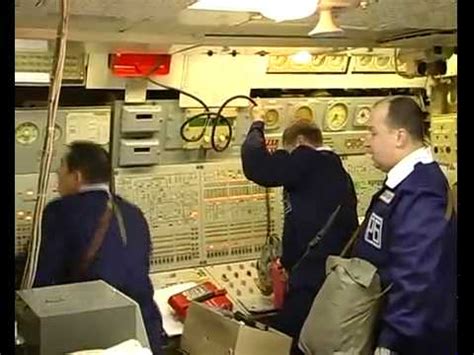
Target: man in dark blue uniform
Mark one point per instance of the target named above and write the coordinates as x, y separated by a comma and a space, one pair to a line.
409, 233
70, 226
315, 183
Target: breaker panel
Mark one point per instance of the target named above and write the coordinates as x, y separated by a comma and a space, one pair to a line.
85, 123
89, 123
25, 200
443, 136
200, 213
367, 179
170, 198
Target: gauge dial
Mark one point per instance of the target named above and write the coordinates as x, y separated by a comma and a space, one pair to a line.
272, 118
279, 60
336, 117
365, 60
382, 62
318, 60
362, 117
336, 60
304, 113
26, 133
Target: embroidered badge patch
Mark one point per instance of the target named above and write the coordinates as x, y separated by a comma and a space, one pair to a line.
373, 232
387, 196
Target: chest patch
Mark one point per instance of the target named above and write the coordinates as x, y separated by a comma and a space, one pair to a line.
373, 232
387, 196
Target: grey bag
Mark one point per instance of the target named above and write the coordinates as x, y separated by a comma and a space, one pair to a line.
345, 311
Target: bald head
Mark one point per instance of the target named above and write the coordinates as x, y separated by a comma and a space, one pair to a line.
396, 129
404, 112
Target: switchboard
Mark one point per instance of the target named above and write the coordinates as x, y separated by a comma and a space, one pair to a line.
200, 213
170, 199
444, 138
239, 279
367, 179
25, 200
89, 123
234, 213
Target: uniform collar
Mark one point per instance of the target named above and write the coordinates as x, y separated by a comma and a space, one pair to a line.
95, 187
406, 166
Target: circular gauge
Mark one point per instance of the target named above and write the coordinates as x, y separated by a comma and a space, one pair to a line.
279, 60
318, 60
57, 133
365, 60
336, 118
304, 113
382, 62
336, 60
26, 133
271, 118
362, 117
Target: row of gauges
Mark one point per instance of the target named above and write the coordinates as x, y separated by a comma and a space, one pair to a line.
336, 118
27, 133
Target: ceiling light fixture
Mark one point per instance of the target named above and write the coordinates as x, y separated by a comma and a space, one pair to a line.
301, 57
326, 23
287, 10
277, 10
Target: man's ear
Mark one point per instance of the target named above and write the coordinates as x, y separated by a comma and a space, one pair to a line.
78, 177
402, 138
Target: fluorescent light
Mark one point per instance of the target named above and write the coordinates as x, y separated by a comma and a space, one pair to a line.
287, 10
277, 10
31, 45
32, 78
228, 5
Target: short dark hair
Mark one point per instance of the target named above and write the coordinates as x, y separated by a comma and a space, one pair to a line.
307, 129
91, 160
404, 112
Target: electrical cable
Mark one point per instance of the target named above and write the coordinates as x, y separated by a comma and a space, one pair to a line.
210, 118
48, 147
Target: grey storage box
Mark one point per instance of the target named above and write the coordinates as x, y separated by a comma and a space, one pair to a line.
141, 118
206, 332
89, 315
136, 152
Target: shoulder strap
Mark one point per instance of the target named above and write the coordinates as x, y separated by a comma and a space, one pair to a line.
99, 236
322, 232
96, 242
450, 206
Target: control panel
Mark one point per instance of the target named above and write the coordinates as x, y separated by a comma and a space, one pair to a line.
367, 179
169, 197
444, 138
239, 279
90, 124
234, 211
200, 214
25, 200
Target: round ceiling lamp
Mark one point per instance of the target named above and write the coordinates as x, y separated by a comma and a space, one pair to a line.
287, 10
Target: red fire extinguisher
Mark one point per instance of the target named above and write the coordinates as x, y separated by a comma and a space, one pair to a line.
279, 282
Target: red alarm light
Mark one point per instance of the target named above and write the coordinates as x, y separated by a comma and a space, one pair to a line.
135, 64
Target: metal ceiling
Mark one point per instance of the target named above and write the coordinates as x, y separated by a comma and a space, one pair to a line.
162, 23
